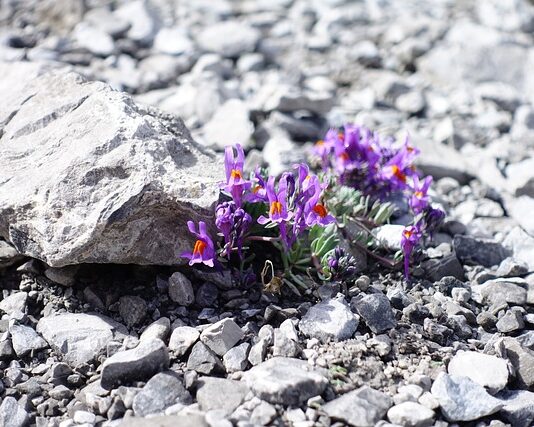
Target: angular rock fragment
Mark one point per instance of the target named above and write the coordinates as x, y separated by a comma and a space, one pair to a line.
329, 320
461, 399
88, 176
285, 380
80, 337
363, 407
137, 364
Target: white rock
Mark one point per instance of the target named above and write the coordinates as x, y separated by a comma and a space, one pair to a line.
229, 38
100, 179
230, 125
172, 41
222, 336
484, 369
182, 338
93, 39
411, 414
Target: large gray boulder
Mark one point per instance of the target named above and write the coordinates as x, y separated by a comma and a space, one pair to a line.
88, 176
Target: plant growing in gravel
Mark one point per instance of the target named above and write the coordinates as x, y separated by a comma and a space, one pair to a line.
363, 183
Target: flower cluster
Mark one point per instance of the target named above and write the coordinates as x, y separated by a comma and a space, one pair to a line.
292, 203
382, 169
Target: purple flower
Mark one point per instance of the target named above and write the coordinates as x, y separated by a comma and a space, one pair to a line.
411, 236
277, 203
316, 212
258, 191
204, 250
233, 223
235, 183
324, 147
419, 199
433, 218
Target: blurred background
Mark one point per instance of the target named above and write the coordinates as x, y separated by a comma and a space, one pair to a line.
273, 75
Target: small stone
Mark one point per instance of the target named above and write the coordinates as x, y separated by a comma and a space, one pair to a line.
511, 321
160, 392
389, 236
203, 360
181, 289
220, 393
93, 39
84, 417
461, 399
510, 267
412, 102
231, 122
15, 302
25, 339
494, 376
64, 276
522, 360
222, 336
230, 39
9, 255
263, 414
411, 414
172, 41
158, 329
132, 309
258, 352
137, 364
235, 359
182, 338
12, 414
476, 251
61, 392
329, 320
285, 380
376, 312
360, 408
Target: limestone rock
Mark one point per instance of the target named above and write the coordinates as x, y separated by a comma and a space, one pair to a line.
90, 177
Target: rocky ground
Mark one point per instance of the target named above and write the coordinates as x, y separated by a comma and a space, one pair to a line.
112, 180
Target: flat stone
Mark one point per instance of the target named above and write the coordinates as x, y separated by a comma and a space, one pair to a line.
363, 407
376, 312
230, 39
181, 289
329, 320
222, 336
221, 394
510, 290
461, 399
476, 251
182, 338
203, 360
494, 376
137, 364
80, 337
12, 414
25, 339
231, 122
160, 392
285, 380
138, 175
142, 21
411, 414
